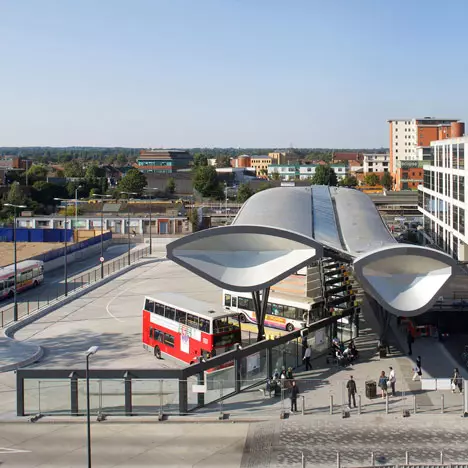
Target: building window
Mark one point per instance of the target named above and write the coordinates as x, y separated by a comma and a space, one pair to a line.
461, 188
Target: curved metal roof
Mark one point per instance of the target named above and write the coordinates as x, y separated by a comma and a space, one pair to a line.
280, 230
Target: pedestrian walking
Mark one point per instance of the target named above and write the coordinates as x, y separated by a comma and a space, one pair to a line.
410, 341
457, 381
294, 395
418, 369
307, 356
304, 345
351, 386
392, 379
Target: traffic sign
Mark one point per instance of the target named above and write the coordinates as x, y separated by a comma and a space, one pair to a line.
101, 259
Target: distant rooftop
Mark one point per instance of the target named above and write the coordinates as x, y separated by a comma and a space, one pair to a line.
423, 118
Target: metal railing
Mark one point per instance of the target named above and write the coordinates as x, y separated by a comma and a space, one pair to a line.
51, 293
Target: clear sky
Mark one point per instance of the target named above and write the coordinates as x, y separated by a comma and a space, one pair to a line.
185, 73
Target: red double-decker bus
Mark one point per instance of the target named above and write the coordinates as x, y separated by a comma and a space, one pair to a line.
187, 329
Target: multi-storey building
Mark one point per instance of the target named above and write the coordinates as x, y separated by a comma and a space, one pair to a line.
260, 164
302, 171
406, 135
375, 162
442, 196
163, 161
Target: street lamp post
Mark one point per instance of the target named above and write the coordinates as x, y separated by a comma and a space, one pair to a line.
128, 220
15, 308
90, 352
65, 266
76, 205
150, 219
102, 197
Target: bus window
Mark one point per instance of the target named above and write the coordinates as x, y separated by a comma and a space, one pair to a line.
276, 309
227, 300
10, 282
204, 325
2, 285
169, 313
181, 316
159, 308
290, 312
192, 321
151, 332
149, 305
234, 301
246, 304
168, 340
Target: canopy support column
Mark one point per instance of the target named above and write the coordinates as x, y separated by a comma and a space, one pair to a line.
260, 305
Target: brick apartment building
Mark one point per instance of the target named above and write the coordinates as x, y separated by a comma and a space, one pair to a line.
410, 141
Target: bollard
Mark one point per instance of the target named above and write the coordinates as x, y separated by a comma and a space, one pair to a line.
359, 404
372, 459
331, 404
338, 460
441, 457
386, 403
442, 404
414, 404
406, 458
303, 461
303, 405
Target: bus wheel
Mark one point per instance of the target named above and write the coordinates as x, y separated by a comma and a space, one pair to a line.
157, 352
242, 318
35, 284
290, 327
10, 294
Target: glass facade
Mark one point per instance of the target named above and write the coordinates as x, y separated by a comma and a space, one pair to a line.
443, 209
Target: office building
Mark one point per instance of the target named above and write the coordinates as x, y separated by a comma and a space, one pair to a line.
289, 172
407, 135
260, 164
163, 161
442, 197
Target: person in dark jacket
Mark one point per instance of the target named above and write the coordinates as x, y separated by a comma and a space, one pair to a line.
351, 386
294, 395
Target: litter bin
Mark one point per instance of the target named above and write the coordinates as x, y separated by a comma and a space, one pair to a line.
371, 389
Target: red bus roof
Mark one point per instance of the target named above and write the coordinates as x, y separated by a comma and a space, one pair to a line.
192, 306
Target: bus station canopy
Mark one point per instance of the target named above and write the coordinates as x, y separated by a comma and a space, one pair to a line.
280, 230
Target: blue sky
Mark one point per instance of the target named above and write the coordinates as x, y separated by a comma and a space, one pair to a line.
182, 73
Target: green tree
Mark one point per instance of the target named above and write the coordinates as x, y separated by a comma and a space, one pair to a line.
264, 186
275, 176
133, 181
171, 185
37, 172
387, 180
371, 179
193, 218
15, 195
206, 182
223, 161
44, 192
74, 168
200, 159
244, 192
121, 159
94, 172
324, 175
349, 181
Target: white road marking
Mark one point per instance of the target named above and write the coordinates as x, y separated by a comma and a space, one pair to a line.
134, 285
7, 451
